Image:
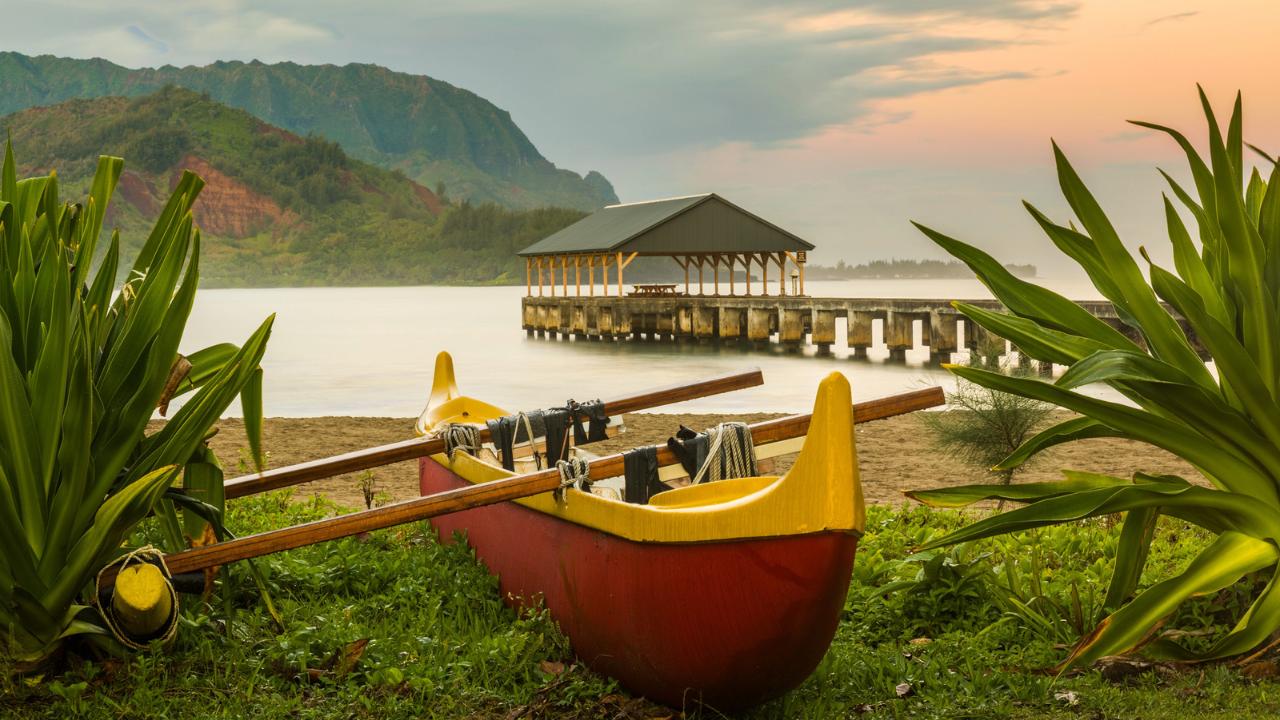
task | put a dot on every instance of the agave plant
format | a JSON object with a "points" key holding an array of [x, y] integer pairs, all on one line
{"points": [[83, 367], [1226, 423]]}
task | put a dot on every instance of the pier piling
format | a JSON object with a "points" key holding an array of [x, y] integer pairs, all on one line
{"points": [[789, 321]]}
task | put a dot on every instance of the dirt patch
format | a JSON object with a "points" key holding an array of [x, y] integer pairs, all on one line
{"points": [[894, 455]]}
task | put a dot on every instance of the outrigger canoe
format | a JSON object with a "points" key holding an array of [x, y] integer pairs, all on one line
{"points": [[725, 594]]}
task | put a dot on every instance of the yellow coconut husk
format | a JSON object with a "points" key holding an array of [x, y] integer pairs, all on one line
{"points": [[143, 604], [142, 601]]}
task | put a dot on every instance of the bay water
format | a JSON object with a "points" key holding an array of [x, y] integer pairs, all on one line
{"points": [[371, 351]]}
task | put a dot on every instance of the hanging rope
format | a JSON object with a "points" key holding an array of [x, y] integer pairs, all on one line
{"points": [[574, 473], [530, 438], [460, 436], [731, 453]]}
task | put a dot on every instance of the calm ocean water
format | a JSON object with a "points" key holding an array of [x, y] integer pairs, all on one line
{"points": [[369, 351]]}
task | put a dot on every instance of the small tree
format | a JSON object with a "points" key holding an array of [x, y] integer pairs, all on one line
{"points": [[985, 426]]}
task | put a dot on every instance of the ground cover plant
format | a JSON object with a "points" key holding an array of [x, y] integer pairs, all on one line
{"points": [[397, 625], [83, 365]]}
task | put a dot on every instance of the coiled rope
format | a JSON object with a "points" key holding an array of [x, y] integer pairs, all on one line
{"points": [[730, 453], [460, 436]]}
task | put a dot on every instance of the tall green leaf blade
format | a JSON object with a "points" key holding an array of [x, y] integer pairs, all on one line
{"points": [[965, 495], [1081, 428], [1191, 266], [1163, 334], [1229, 472], [1233, 360], [1134, 546], [111, 522], [1220, 565], [1027, 299], [18, 454], [1030, 337], [104, 185], [251, 406]]}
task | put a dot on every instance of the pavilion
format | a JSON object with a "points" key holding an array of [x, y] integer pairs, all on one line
{"points": [[702, 231]]}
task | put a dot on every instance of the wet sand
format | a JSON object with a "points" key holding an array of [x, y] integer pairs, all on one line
{"points": [[894, 455]]}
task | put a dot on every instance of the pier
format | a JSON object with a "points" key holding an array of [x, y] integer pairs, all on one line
{"points": [[792, 322], [703, 235]]}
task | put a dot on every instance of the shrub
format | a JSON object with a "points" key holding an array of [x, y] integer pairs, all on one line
{"points": [[1226, 424], [82, 370]]}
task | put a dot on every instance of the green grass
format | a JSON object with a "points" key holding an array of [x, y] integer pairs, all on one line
{"points": [[441, 644]]}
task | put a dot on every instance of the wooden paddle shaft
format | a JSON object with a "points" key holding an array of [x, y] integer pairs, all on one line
{"points": [[424, 446], [497, 491]]}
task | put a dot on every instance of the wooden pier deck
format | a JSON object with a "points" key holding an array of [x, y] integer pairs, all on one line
{"points": [[786, 320]]}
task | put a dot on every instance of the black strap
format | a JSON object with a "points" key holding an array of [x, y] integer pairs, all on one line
{"points": [[640, 471], [598, 421], [537, 420], [502, 435], [690, 448], [556, 429]]}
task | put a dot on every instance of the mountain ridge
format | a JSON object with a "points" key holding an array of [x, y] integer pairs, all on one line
{"points": [[277, 209], [434, 132]]}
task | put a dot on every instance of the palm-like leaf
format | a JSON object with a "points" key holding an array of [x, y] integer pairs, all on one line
{"points": [[81, 374], [1227, 291]]}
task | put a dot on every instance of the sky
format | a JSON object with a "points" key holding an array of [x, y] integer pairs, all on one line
{"points": [[841, 121]]}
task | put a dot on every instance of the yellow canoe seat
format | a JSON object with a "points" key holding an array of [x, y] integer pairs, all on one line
{"points": [[711, 493]]}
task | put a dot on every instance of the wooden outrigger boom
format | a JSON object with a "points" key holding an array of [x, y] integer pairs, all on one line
{"points": [[489, 493], [426, 446]]}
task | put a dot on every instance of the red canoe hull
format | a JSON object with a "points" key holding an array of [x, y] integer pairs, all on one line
{"points": [[728, 624]]}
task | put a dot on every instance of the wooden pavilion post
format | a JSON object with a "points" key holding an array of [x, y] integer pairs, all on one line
{"points": [[746, 262], [729, 259], [798, 259], [782, 274], [551, 273], [539, 276], [528, 277], [591, 275], [685, 264], [604, 273], [564, 275], [701, 292], [715, 269], [764, 275], [619, 274], [577, 276]]}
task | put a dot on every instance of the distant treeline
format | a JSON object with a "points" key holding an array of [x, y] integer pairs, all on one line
{"points": [[911, 269]]}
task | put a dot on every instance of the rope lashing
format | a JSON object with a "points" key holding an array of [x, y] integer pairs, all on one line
{"points": [[731, 453], [574, 473], [460, 436]]}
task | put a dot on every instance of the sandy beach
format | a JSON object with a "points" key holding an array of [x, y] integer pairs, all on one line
{"points": [[894, 455]]}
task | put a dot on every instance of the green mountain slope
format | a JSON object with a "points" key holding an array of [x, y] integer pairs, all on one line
{"points": [[278, 209], [430, 130]]}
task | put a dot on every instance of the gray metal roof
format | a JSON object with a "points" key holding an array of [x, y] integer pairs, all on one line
{"points": [[718, 226]]}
